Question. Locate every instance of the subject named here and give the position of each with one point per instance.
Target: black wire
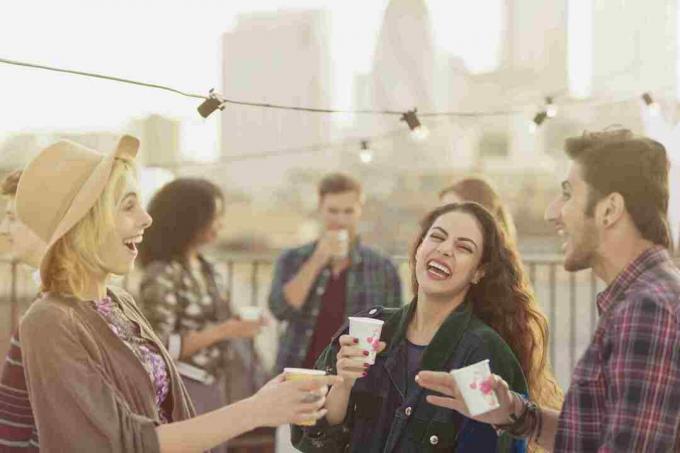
(102, 76)
(461, 114)
(469, 114)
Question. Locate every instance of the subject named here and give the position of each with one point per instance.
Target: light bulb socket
(540, 117)
(647, 98)
(212, 103)
(411, 119)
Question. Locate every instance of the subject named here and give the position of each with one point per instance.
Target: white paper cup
(299, 374)
(367, 330)
(342, 237)
(250, 313)
(473, 383)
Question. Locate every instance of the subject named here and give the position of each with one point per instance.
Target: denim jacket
(382, 418)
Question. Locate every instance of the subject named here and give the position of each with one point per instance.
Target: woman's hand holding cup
(352, 361)
(300, 402)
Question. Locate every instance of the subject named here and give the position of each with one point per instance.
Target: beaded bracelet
(523, 426)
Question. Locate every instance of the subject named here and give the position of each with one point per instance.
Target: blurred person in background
(18, 432)
(317, 285)
(99, 378)
(184, 298)
(480, 191)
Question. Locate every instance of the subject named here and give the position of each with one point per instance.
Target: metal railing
(568, 300)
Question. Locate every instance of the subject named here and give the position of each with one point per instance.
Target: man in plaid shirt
(316, 286)
(625, 390)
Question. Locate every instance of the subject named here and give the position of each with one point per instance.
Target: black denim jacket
(382, 418)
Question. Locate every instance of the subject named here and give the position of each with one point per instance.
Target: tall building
(277, 58)
(409, 73)
(159, 138)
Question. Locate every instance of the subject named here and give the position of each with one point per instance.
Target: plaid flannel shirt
(372, 280)
(625, 390)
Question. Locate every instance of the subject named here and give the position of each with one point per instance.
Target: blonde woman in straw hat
(99, 379)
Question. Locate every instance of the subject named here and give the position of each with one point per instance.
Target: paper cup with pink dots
(475, 384)
(367, 330)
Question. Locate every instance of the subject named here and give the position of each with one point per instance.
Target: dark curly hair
(180, 210)
(504, 300)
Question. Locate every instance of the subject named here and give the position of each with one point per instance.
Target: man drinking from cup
(318, 285)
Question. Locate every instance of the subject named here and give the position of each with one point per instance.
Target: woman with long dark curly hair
(472, 302)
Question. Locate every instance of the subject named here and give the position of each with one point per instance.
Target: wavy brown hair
(504, 300)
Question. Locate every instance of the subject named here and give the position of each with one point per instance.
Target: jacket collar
(437, 353)
(443, 344)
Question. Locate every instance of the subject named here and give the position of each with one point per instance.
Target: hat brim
(89, 193)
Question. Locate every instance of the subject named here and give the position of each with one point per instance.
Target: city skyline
(152, 50)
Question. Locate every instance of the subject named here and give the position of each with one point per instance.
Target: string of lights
(214, 101)
(419, 132)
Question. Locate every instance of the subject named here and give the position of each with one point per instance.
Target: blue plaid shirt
(372, 280)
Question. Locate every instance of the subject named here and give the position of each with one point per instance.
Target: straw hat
(62, 183)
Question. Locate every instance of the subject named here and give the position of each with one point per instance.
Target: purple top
(144, 350)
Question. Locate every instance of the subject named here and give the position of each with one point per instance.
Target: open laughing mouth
(131, 243)
(565, 238)
(438, 270)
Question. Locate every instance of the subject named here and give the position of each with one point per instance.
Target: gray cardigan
(88, 391)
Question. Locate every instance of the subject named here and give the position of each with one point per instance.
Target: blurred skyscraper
(278, 58)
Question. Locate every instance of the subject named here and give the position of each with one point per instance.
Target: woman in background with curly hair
(472, 303)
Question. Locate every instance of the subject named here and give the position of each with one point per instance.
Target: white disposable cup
(367, 331)
(473, 383)
(342, 237)
(300, 374)
(250, 313)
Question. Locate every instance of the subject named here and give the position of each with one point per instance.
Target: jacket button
(434, 440)
(373, 311)
(408, 411)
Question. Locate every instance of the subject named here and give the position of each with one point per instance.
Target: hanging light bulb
(539, 118)
(418, 131)
(651, 104)
(550, 107)
(366, 153)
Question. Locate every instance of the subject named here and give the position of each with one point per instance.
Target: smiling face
(568, 214)
(448, 259)
(119, 247)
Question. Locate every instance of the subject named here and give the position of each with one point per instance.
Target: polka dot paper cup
(367, 330)
(474, 383)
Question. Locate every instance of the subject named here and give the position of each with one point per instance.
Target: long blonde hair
(75, 256)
